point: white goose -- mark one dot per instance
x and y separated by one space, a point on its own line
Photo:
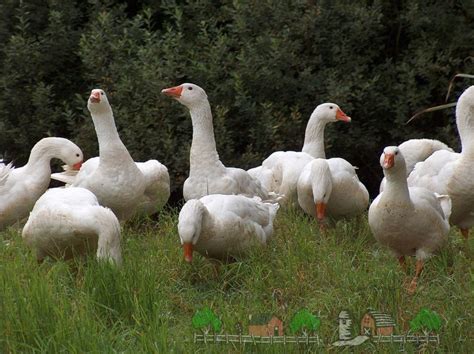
69 221
225 226
280 171
447 172
207 174
118 182
418 150
331 187
21 187
409 221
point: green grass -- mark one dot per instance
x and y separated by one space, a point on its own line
147 305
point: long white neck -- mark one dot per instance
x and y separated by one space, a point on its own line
396 187
191 219
108 228
321 180
314 138
111 148
39 162
203 148
465 123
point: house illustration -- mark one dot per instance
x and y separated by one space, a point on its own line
265 325
375 323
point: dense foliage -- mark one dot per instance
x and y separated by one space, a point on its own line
264 64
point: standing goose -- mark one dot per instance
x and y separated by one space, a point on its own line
409 221
69 221
279 173
21 187
331 187
207 174
118 182
225 226
447 172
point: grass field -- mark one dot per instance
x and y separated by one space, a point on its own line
147 305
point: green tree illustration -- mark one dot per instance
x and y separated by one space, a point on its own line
305 322
426 321
205 320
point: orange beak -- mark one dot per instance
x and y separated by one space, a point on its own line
188 251
77 166
388 161
340 115
174 92
95 97
320 211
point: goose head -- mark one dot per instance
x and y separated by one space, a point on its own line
71 154
392 161
60 148
321 182
189 226
189 95
328 113
98 102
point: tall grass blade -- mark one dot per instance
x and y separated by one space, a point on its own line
431 109
451 83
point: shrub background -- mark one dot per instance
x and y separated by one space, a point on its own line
264 64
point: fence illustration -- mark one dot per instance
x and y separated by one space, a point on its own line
313 340
236 338
406 338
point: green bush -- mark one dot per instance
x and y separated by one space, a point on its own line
264 64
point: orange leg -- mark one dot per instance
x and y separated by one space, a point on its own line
403 263
465 233
419 268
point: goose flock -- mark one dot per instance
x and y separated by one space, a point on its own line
228 211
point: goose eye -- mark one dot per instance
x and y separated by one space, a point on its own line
331 107
396 152
190 88
102 93
77 155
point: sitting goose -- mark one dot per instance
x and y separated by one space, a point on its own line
69 221
280 171
21 187
331 188
224 226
